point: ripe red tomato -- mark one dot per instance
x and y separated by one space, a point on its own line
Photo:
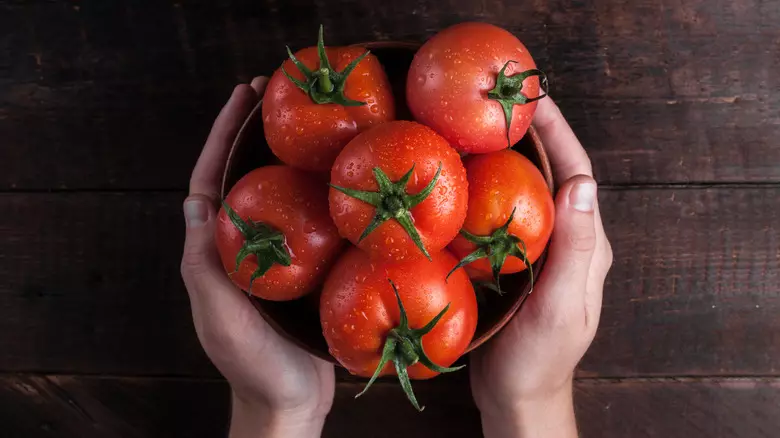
510 216
368 332
398 191
274 234
472 80
318 100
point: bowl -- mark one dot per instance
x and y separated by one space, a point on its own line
298 320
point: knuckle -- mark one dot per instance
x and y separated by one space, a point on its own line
192 261
582 242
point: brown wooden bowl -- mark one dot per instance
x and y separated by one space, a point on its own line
299 320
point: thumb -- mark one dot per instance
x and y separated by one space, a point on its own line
200 266
573 242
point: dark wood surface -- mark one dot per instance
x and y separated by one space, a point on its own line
106 407
103 109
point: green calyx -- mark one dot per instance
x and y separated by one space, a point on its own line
496 248
404 347
392 202
260 240
324 85
508 92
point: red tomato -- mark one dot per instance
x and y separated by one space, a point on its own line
500 184
277 230
398 191
309 119
456 86
364 326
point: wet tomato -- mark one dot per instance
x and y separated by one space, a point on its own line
319 99
475 84
510 216
274 234
398 191
383 317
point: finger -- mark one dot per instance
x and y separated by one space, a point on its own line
599 266
201 268
259 84
565 275
207 174
602 257
567 156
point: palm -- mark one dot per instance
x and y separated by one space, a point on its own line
266 366
531 356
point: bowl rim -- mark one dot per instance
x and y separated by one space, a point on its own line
544 166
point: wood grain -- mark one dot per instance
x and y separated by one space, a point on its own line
91 284
108 91
85 407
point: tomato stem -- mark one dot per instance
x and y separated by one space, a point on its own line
325 85
404 348
508 92
263 241
496 248
393 202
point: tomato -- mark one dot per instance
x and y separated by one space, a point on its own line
414 327
398 191
472 80
317 101
274 234
510 217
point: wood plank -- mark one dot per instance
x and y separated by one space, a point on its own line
695 285
683 141
85 407
127 90
90 284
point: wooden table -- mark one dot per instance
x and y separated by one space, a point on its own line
103 109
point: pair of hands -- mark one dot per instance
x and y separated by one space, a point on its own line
521 380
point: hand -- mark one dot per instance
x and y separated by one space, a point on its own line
278 389
522 380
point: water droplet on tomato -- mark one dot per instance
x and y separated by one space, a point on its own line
299 130
389 240
374 109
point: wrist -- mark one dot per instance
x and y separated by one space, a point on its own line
255 420
547 416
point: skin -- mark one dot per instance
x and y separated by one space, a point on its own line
294 203
308 135
450 77
358 308
498 183
521 384
395 147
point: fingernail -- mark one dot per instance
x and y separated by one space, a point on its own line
196 213
583 196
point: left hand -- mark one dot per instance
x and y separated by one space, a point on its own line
522 379
278 389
